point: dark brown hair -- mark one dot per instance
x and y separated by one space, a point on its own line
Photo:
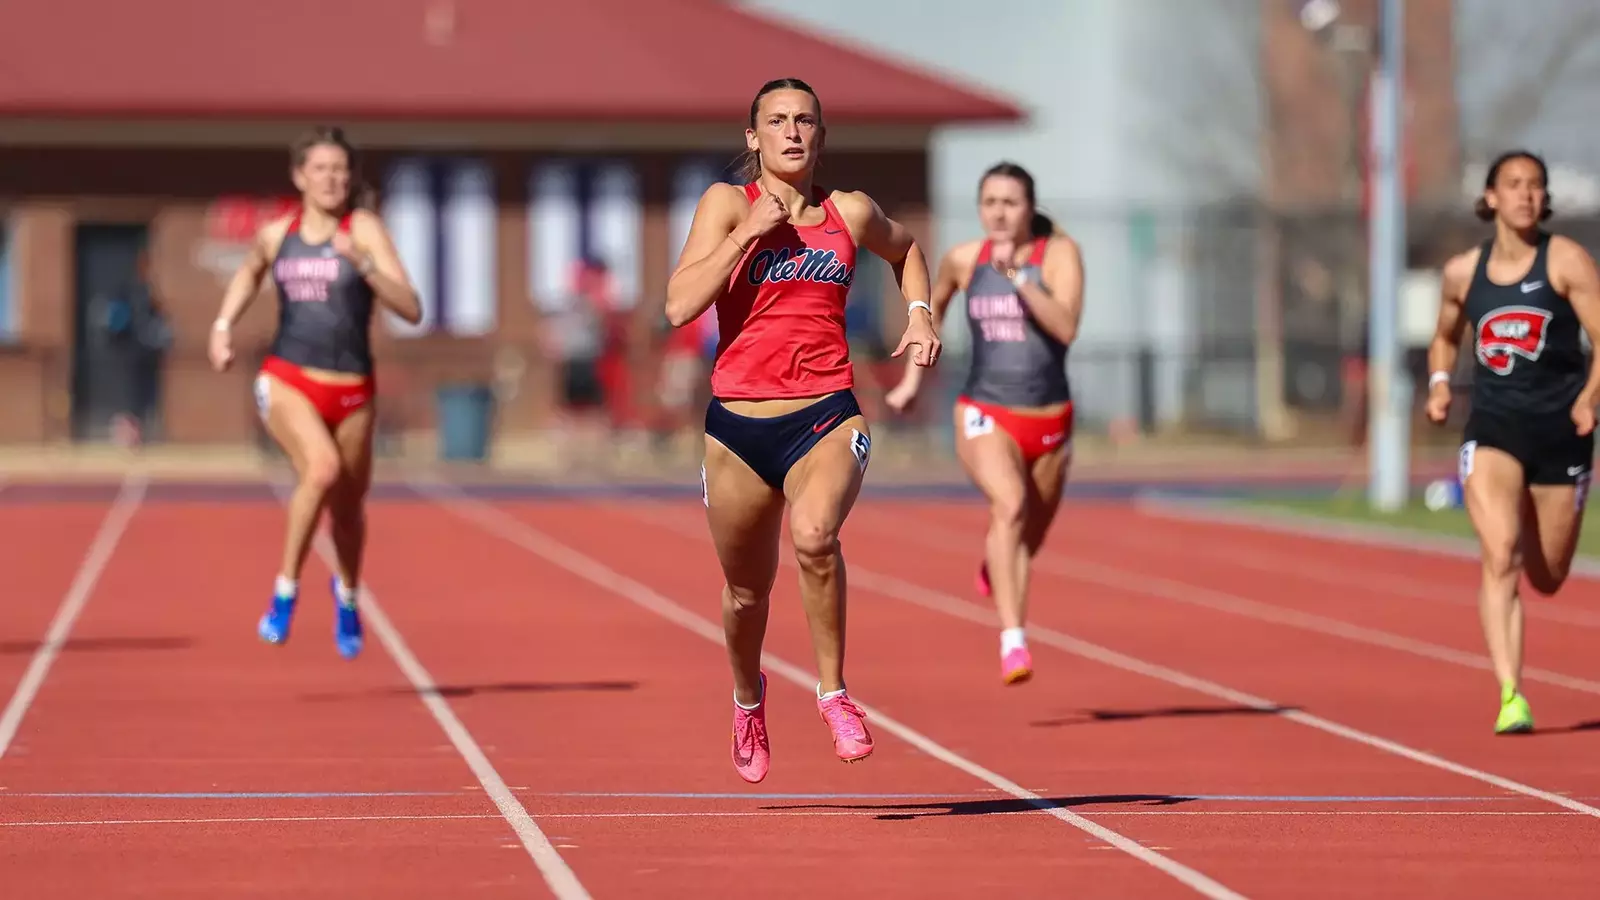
362 196
749 163
1041 224
1482 209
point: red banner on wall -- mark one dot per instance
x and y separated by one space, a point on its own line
231 224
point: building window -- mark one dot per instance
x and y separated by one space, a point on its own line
10 326
442 215
691 179
584 218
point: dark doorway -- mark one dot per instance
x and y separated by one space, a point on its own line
117 335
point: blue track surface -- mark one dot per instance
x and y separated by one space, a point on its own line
24 492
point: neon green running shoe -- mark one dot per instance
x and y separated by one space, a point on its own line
1515 716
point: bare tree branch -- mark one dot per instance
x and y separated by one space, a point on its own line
1526 74
1518 105
1199 99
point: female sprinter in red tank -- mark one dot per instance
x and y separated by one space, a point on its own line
1527 450
315 391
776 257
1024 286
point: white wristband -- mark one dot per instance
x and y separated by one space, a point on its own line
1440 377
221 325
918 303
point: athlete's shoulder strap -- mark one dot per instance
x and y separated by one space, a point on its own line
1036 252
1480 272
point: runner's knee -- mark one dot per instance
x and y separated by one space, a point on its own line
1009 510
815 541
743 600
322 469
1500 559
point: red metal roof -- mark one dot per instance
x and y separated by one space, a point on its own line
631 60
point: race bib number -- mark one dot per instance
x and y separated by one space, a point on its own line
263 391
861 446
975 422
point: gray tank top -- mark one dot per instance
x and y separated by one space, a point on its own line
324 306
1014 361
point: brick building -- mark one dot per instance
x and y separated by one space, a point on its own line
506 141
1314 315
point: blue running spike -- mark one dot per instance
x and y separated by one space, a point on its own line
347 633
274 626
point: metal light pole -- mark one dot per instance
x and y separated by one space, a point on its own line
1389 391
1389 410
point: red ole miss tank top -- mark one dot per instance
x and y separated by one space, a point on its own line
781 319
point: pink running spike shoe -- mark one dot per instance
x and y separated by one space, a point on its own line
850 738
1016 666
752 752
984 589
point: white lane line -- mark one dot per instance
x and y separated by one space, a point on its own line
1155 586
557 874
94 562
1369 534
948 604
536 542
250 820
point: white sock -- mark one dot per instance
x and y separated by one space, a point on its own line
751 708
1011 639
346 594
822 696
285 587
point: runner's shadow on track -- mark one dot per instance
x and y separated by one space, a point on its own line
1591 725
449 691
99 645
900 812
1090 716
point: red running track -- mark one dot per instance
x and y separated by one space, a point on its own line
1219 711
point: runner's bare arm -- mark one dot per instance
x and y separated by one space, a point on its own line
890 241
385 274
710 254
246 281
954 267
1572 273
1446 343
1057 304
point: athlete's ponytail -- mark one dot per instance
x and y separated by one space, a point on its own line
364 196
1042 226
748 166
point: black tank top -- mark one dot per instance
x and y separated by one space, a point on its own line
324 306
1527 342
1014 361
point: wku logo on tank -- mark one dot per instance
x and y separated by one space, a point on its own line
1509 332
786 264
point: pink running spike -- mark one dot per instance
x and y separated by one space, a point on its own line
752 751
1017 666
850 738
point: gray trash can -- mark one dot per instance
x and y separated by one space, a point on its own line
466 415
